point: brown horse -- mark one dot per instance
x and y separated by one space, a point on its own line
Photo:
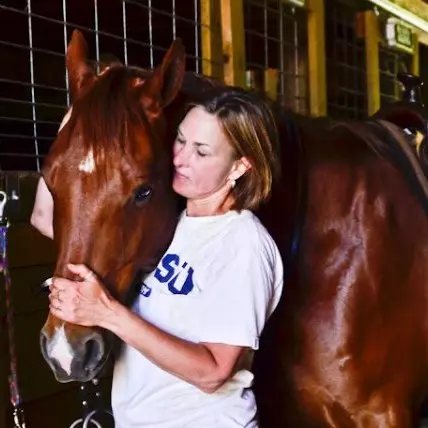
109 174
347 346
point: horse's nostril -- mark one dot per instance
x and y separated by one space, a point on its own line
44 348
93 353
43 342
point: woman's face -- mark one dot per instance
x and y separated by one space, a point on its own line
203 158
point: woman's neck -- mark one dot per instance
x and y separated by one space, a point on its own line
216 204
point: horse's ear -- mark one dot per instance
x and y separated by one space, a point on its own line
79 71
167 79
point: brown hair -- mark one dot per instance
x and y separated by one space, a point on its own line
250 128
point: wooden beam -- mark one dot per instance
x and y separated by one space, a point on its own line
211 45
316 59
271 83
371 32
415 57
232 25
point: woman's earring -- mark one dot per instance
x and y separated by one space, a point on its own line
232 183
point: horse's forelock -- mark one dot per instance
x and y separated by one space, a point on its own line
105 113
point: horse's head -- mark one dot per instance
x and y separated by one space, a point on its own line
109 175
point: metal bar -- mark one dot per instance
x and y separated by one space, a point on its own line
150 33
25 137
174 23
196 35
21 155
296 61
265 35
29 85
12 100
33 93
23 119
125 44
97 35
32 48
64 18
281 52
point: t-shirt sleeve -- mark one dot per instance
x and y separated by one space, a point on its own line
238 299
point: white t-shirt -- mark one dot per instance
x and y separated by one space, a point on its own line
218 282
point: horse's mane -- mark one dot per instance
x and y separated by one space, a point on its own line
389 142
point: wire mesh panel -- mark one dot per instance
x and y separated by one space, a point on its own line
33 38
391 62
346 62
276 48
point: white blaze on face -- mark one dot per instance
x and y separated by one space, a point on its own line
87 165
59 349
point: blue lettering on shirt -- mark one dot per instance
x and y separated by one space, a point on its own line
178 276
145 290
165 270
187 286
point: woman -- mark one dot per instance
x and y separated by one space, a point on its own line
190 336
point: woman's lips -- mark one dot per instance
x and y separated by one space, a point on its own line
181 176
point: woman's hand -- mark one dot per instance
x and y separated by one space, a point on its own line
84 302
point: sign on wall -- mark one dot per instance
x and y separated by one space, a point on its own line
399 35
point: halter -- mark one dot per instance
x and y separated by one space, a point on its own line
15 396
90 406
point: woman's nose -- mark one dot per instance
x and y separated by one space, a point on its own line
180 157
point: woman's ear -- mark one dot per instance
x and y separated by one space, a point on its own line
239 168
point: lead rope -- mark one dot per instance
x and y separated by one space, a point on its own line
15 396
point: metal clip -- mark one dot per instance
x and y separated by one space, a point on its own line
18 418
3 219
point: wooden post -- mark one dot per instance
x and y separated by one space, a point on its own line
371 32
415 58
232 25
316 59
271 83
212 58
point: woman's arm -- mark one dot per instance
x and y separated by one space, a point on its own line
42 215
206 365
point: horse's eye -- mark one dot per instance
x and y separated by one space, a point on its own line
142 195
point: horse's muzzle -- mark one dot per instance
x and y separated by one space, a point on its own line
74 353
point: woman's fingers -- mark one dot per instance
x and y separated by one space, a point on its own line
83 271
